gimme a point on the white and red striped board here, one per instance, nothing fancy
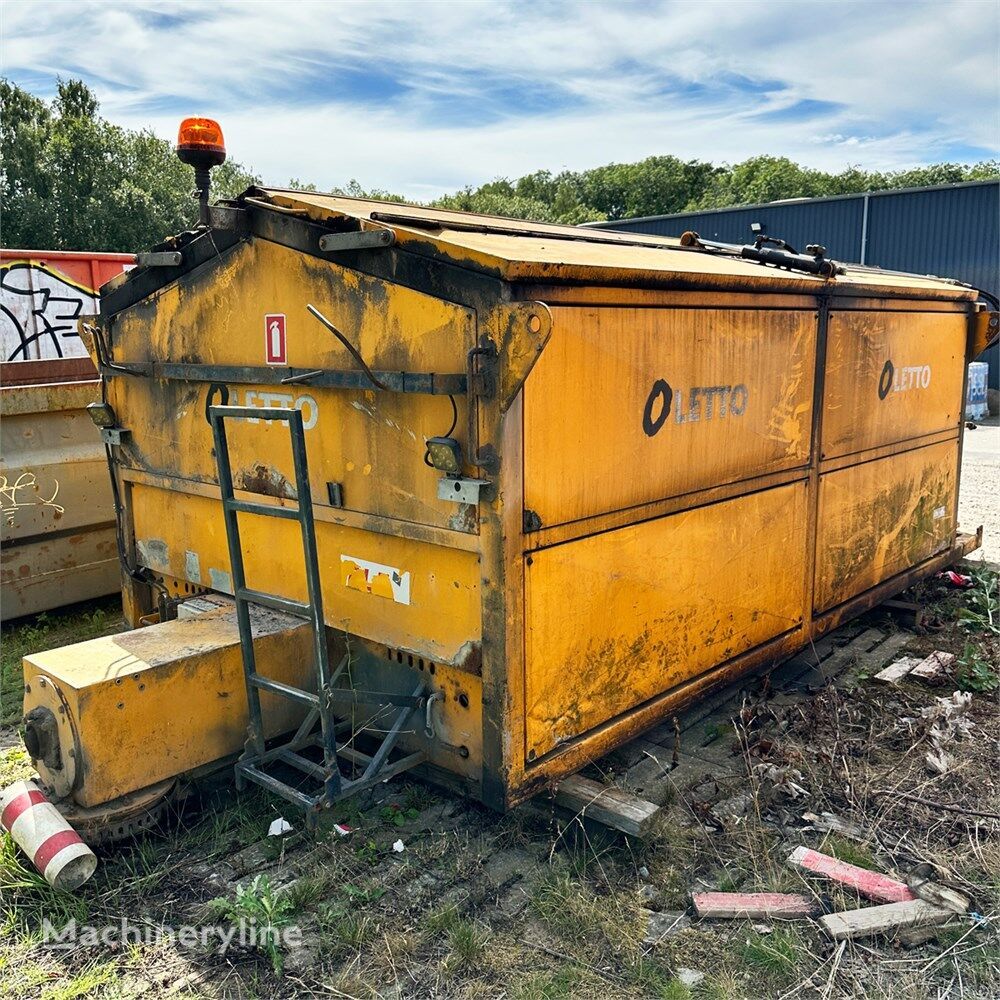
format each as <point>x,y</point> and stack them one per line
<point>40,830</point>
<point>871,885</point>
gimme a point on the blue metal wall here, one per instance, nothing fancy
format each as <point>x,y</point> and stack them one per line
<point>951,231</point>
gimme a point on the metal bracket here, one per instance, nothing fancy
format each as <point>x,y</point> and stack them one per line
<point>482,373</point>
<point>370,240</point>
<point>458,489</point>
<point>114,435</point>
<point>162,258</point>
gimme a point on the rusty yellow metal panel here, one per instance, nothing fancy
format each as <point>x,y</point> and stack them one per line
<point>156,702</point>
<point>58,520</point>
<point>891,376</point>
<point>879,518</point>
<point>371,443</point>
<point>408,594</point>
<point>217,316</point>
<point>614,619</point>
<point>627,406</point>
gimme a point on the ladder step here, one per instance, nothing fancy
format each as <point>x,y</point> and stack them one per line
<point>285,690</point>
<point>273,785</point>
<point>266,509</point>
<point>306,766</point>
<point>298,608</point>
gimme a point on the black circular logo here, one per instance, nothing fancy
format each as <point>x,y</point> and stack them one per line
<point>885,380</point>
<point>649,424</point>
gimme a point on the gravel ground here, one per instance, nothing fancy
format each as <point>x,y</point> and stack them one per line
<point>979,497</point>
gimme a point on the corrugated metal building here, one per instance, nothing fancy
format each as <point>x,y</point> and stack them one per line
<point>952,230</point>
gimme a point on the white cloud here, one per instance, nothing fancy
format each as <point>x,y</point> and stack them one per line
<point>888,84</point>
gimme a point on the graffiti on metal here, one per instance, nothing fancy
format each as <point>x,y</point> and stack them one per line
<point>24,492</point>
<point>39,310</point>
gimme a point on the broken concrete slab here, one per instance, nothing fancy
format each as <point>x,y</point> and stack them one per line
<point>508,866</point>
<point>933,666</point>
<point>660,926</point>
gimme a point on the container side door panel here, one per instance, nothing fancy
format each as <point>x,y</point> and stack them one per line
<point>891,376</point>
<point>879,518</point>
<point>627,406</point>
<point>620,617</point>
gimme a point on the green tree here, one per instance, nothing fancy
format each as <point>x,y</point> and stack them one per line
<point>70,180</point>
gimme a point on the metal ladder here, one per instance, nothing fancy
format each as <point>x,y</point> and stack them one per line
<point>251,766</point>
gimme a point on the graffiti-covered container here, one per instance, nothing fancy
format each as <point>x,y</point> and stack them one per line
<point>58,520</point>
<point>44,293</point>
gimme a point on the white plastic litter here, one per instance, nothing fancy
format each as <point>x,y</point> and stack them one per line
<point>279,827</point>
<point>399,847</point>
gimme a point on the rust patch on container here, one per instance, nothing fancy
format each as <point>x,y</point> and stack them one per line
<point>268,481</point>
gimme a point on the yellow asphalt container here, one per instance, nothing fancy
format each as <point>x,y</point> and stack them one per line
<point>676,466</point>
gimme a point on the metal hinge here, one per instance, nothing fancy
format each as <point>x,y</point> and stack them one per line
<point>370,240</point>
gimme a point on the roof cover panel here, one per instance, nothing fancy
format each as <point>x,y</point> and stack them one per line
<point>519,250</point>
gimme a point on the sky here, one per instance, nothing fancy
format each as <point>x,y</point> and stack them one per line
<point>423,98</point>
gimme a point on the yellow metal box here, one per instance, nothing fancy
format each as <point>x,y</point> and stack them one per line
<point>673,464</point>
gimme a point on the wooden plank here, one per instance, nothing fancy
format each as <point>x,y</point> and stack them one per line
<point>872,920</point>
<point>907,613</point>
<point>752,904</point>
<point>931,666</point>
<point>608,805</point>
<point>895,672</point>
<point>869,884</point>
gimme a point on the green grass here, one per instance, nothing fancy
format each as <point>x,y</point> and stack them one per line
<point>442,920</point>
<point>776,955</point>
<point>844,849</point>
<point>15,765</point>
<point>49,630</point>
<point>260,904</point>
<point>980,610</point>
<point>26,899</point>
<point>561,985</point>
<point>467,941</point>
<point>975,673</point>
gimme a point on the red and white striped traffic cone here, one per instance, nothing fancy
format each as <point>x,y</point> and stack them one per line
<point>39,829</point>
